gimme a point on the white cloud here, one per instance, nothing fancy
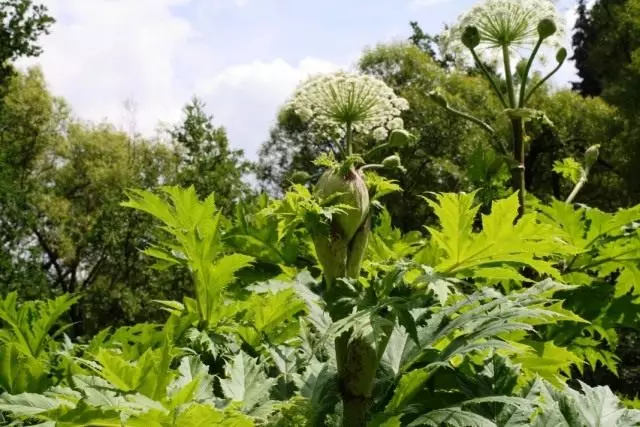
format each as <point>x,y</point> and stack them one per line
<point>245,98</point>
<point>425,3</point>
<point>103,52</point>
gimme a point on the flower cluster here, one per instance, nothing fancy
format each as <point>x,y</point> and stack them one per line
<point>332,102</point>
<point>504,23</point>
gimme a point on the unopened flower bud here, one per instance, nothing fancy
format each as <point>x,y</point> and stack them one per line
<point>399,137</point>
<point>561,55</point>
<point>471,37</point>
<point>392,162</point>
<point>437,97</point>
<point>546,28</point>
<point>591,155</point>
<point>352,191</point>
<point>521,67</point>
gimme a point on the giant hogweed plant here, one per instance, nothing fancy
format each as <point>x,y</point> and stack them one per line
<point>266,354</point>
<point>512,35</point>
<point>400,330</point>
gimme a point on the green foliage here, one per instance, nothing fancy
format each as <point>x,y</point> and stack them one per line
<point>467,312</point>
<point>21,24</point>
<point>27,341</point>
<point>207,161</point>
<point>499,250</point>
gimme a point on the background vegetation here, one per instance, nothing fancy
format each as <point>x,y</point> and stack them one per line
<point>64,229</point>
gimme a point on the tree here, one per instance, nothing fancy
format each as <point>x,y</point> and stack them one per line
<point>205,159</point>
<point>22,22</point>
<point>582,39</point>
<point>608,33</point>
<point>27,131</point>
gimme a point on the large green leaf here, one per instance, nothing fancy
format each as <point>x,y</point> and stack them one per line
<point>501,243</point>
<point>246,383</point>
<point>451,417</point>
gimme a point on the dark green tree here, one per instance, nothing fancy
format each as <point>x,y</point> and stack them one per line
<point>22,22</point>
<point>607,34</point>
<point>205,159</point>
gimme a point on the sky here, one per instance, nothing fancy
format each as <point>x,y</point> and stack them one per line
<point>243,58</point>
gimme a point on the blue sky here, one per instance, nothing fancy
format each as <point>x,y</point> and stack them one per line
<point>243,57</point>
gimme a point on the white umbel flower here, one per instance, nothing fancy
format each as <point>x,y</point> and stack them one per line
<point>380,134</point>
<point>510,23</point>
<point>330,102</point>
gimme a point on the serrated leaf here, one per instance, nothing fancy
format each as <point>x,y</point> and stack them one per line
<point>30,404</point>
<point>569,169</point>
<point>452,417</point>
<point>246,382</point>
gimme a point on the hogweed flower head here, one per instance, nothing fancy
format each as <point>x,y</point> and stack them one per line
<point>330,102</point>
<point>514,24</point>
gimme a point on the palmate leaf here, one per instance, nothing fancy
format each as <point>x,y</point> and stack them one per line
<point>193,383</point>
<point>32,404</point>
<point>566,407</point>
<point>20,372</point>
<point>452,417</point>
<point>212,279</point>
<point>247,383</point>
<point>500,244</point>
<point>319,384</point>
<point>30,325</point>
<point>597,406</point>
<point>569,168</point>
<point>481,323</point>
<point>202,415</point>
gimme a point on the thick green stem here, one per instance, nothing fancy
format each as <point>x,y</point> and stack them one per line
<point>518,136</point>
<point>349,139</point>
<point>518,170</point>
<point>509,77</point>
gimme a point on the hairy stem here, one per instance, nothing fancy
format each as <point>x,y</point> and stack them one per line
<point>518,170</point>
<point>508,76</point>
<point>349,139</point>
<point>517,127</point>
<point>578,187</point>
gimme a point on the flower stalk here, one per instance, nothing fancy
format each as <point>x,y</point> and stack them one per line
<point>342,106</point>
<point>497,31</point>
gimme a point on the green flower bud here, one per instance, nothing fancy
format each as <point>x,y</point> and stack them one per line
<point>392,162</point>
<point>437,97</point>
<point>331,252</point>
<point>399,137</point>
<point>471,37</point>
<point>351,190</point>
<point>546,28</point>
<point>341,251</point>
<point>561,55</point>
<point>591,155</point>
<point>300,177</point>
